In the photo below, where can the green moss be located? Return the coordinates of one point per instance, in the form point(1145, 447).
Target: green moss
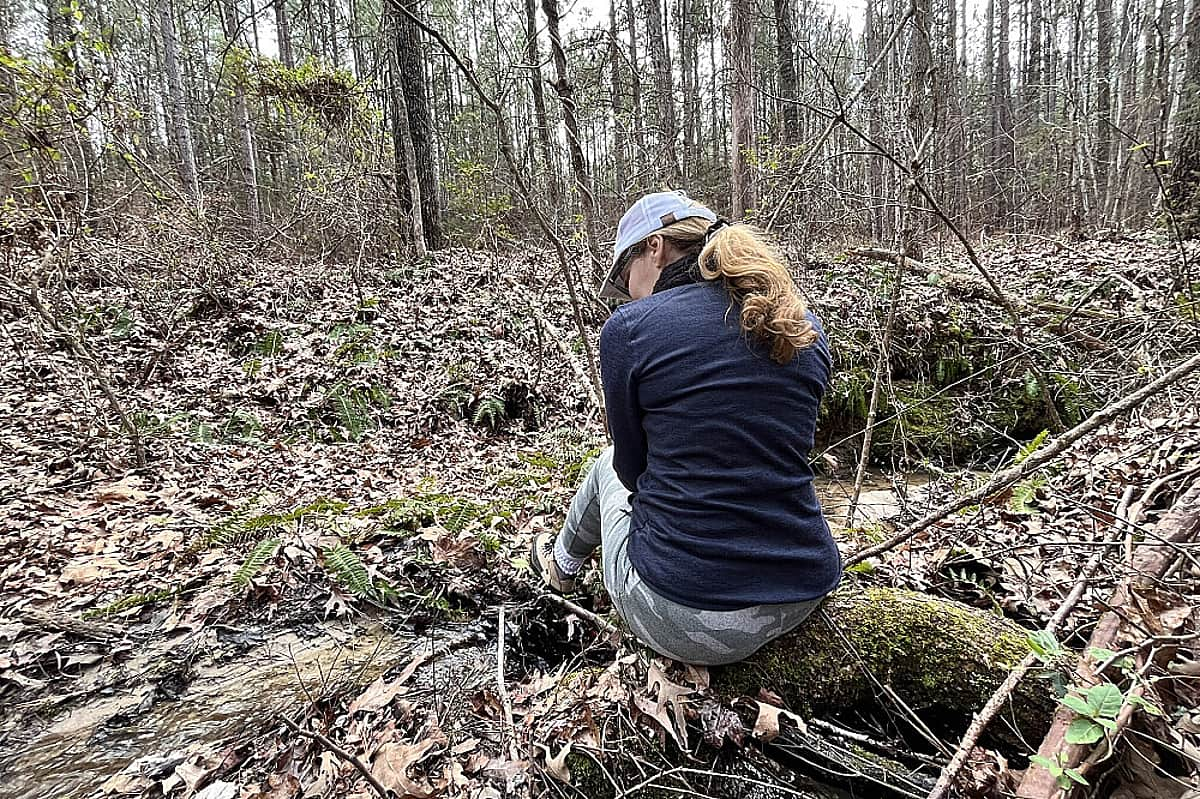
point(936, 654)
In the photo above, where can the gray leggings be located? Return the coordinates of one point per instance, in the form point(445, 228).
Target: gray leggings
point(599, 515)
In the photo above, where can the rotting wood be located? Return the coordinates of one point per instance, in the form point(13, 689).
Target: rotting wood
point(1150, 562)
point(61, 622)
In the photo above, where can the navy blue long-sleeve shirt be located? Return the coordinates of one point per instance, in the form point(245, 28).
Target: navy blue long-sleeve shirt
point(713, 437)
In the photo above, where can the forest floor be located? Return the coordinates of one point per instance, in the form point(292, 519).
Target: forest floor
point(344, 469)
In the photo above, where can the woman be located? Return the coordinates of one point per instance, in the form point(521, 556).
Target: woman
point(713, 539)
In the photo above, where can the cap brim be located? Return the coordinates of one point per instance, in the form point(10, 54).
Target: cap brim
point(611, 289)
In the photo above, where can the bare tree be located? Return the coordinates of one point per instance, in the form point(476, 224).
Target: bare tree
point(664, 91)
point(179, 126)
point(241, 116)
point(741, 53)
point(1185, 159)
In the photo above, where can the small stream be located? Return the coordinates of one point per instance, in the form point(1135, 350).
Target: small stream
point(234, 693)
point(88, 744)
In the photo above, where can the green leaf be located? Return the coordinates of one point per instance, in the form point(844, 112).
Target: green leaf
point(1105, 700)
point(1141, 703)
point(1044, 762)
point(1084, 731)
point(1137, 147)
point(1044, 645)
point(1075, 775)
point(1099, 654)
point(1077, 704)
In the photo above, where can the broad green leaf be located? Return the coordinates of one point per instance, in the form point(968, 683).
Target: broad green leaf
point(1084, 731)
point(1077, 704)
point(1105, 700)
point(1075, 775)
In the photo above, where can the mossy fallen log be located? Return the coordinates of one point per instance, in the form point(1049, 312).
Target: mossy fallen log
point(943, 659)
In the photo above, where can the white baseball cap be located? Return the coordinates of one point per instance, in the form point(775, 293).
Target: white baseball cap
point(646, 216)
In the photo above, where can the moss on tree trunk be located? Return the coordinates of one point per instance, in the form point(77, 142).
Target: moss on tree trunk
point(943, 658)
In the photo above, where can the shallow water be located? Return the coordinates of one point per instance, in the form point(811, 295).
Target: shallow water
point(92, 742)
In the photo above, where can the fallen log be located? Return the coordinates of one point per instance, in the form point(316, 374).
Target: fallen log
point(1150, 562)
point(868, 651)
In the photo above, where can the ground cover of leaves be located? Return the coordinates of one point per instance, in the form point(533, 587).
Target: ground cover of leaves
point(331, 447)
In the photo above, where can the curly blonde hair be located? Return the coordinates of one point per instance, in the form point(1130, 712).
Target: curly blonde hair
point(753, 271)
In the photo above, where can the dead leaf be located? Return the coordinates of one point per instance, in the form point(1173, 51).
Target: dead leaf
point(668, 696)
point(219, 790)
point(766, 726)
point(391, 763)
point(123, 491)
point(377, 696)
point(556, 765)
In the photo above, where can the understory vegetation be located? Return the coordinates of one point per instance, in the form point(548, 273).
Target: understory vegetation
point(306, 491)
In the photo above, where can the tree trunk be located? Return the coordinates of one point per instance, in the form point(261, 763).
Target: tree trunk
point(566, 95)
point(619, 119)
point(403, 150)
point(741, 58)
point(664, 91)
point(1003, 164)
point(534, 59)
point(241, 116)
point(785, 54)
point(178, 124)
point(635, 88)
point(1103, 131)
point(410, 52)
point(1184, 193)
point(1033, 60)
point(283, 34)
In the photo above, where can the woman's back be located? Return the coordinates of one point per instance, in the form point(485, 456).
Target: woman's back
point(713, 436)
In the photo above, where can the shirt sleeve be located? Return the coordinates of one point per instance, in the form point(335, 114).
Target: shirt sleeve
point(618, 372)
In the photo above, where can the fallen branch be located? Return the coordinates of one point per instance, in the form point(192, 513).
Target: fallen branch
point(583, 613)
point(1002, 694)
point(1179, 526)
point(1036, 460)
point(341, 753)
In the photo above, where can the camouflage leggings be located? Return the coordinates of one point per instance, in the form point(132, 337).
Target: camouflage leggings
point(599, 516)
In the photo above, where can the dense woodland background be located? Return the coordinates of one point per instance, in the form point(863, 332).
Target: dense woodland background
point(305, 117)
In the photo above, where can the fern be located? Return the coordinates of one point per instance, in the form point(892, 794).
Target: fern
point(134, 600)
point(489, 411)
point(348, 571)
point(460, 516)
point(258, 557)
point(230, 530)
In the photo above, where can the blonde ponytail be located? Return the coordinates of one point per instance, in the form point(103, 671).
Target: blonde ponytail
point(754, 274)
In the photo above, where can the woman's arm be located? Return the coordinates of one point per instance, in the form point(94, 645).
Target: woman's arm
point(618, 372)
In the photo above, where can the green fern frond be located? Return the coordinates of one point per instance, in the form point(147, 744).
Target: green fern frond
point(230, 530)
point(258, 557)
point(125, 603)
point(489, 411)
point(348, 571)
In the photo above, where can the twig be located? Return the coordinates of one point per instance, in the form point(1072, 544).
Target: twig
point(349, 757)
point(602, 623)
point(1179, 526)
point(1036, 460)
point(997, 700)
point(501, 687)
point(883, 363)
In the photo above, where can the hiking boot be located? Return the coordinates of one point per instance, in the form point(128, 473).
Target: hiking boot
point(545, 567)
